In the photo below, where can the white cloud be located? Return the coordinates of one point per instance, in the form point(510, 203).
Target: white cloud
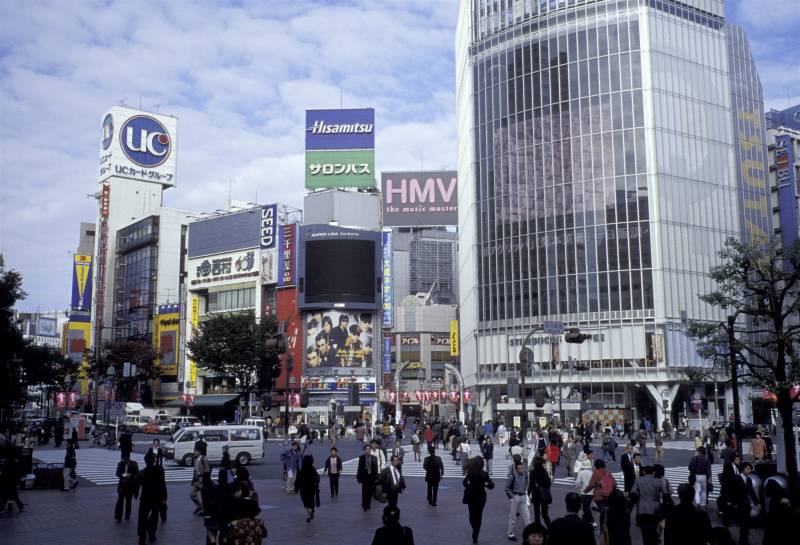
point(238, 77)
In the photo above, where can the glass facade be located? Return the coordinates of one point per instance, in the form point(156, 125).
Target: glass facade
point(135, 279)
point(432, 259)
point(229, 300)
point(561, 167)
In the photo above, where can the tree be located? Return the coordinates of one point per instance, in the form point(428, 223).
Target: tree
point(759, 283)
point(234, 345)
point(11, 343)
point(139, 353)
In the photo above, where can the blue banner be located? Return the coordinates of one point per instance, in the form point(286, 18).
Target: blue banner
point(269, 226)
point(351, 129)
point(287, 270)
point(81, 282)
point(387, 354)
point(784, 173)
point(388, 287)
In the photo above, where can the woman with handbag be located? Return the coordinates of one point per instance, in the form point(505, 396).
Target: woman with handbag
point(475, 484)
point(539, 483)
point(307, 483)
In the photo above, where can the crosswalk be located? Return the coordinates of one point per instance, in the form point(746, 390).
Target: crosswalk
point(502, 465)
point(99, 465)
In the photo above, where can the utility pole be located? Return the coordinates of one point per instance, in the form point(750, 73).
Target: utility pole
point(737, 421)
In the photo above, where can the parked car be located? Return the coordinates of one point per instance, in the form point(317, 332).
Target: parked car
point(135, 423)
point(161, 425)
point(245, 443)
point(185, 421)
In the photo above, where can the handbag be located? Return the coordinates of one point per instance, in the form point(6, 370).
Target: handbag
point(379, 495)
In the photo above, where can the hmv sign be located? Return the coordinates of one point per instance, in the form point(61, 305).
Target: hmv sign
point(425, 198)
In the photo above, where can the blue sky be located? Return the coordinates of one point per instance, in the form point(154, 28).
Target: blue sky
point(239, 76)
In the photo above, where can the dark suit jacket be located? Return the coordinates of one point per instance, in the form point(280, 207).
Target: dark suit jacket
point(128, 483)
point(387, 482)
point(434, 469)
point(393, 535)
point(338, 464)
point(153, 486)
point(475, 484)
point(629, 474)
point(362, 475)
point(572, 530)
point(126, 441)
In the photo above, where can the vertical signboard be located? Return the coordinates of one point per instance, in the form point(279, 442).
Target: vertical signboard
point(195, 311)
point(269, 222)
point(387, 353)
point(454, 337)
point(286, 255)
point(78, 337)
point(168, 322)
point(386, 267)
point(81, 279)
point(784, 174)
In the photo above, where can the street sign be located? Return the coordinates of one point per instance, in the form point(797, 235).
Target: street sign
point(553, 328)
point(126, 369)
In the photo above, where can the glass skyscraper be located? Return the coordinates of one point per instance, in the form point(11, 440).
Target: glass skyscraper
point(602, 161)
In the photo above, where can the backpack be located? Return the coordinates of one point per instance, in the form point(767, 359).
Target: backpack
point(607, 485)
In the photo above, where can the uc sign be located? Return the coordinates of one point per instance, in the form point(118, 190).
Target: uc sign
point(267, 236)
point(145, 141)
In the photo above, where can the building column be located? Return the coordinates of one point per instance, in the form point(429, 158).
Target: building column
point(663, 396)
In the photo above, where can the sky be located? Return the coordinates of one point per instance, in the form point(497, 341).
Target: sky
point(239, 76)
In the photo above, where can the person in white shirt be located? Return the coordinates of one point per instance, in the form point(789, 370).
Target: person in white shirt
point(464, 451)
point(501, 434)
point(583, 474)
point(377, 452)
point(392, 482)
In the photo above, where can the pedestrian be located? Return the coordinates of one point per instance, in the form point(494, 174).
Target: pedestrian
point(291, 464)
point(366, 474)
point(648, 493)
point(553, 455)
point(628, 470)
point(307, 484)
point(487, 451)
point(392, 532)
point(535, 534)
point(686, 524)
point(539, 490)
point(59, 434)
point(749, 505)
point(399, 451)
point(464, 451)
point(415, 446)
point(392, 482)
point(700, 476)
point(201, 477)
point(158, 453)
point(10, 475)
point(434, 471)
point(729, 481)
point(70, 464)
point(429, 436)
point(360, 431)
point(601, 485)
point(152, 497)
point(583, 476)
point(125, 444)
point(333, 467)
point(243, 528)
point(659, 443)
point(570, 455)
point(74, 437)
point(517, 490)
point(378, 453)
point(618, 520)
point(570, 529)
point(758, 447)
point(667, 504)
point(475, 484)
point(127, 487)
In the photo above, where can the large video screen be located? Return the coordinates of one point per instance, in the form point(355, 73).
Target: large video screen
point(340, 271)
point(338, 339)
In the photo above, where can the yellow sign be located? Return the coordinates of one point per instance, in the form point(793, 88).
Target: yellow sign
point(79, 337)
point(454, 337)
point(195, 311)
point(168, 326)
point(192, 372)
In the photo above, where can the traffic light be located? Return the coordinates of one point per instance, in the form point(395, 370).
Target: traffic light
point(303, 399)
point(538, 397)
point(574, 335)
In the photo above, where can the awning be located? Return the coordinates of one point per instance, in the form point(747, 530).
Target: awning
point(210, 400)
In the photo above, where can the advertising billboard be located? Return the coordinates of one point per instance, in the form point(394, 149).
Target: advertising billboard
point(784, 174)
point(269, 267)
point(386, 270)
point(342, 129)
point(269, 223)
point(224, 268)
point(138, 145)
point(454, 337)
point(287, 271)
point(81, 280)
point(319, 385)
point(338, 339)
point(47, 327)
point(168, 325)
point(286, 311)
point(78, 337)
point(349, 168)
point(412, 199)
point(339, 268)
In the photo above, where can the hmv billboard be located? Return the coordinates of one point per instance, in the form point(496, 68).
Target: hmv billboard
point(425, 198)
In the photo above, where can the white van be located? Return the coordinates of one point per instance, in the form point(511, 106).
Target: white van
point(135, 422)
point(245, 443)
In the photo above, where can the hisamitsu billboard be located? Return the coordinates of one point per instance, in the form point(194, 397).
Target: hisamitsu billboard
point(341, 129)
point(420, 198)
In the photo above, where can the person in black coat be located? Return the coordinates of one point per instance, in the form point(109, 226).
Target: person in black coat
point(75, 438)
point(628, 469)
point(307, 483)
point(392, 532)
point(475, 484)
point(539, 491)
point(434, 471)
point(59, 433)
point(333, 467)
point(10, 475)
point(618, 519)
point(125, 444)
point(686, 524)
point(366, 474)
point(392, 482)
point(152, 498)
point(571, 529)
point(127, 488)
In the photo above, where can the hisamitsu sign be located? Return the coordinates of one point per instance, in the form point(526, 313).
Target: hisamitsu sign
point(341, 129)
point(420, 198)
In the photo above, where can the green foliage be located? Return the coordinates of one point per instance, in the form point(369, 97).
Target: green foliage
point(233, 345)
point(139, 353)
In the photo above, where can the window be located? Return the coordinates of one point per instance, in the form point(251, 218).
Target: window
point(212, 436)
point(250, 434)
point(189, 435)
point(221, 301)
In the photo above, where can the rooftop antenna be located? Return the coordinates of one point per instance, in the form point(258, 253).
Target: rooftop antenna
point(122, 102)
point(157, 106)
point(140, 102)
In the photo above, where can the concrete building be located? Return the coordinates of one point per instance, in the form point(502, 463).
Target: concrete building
point(600, 156)
point(42, 328)
point(422, 257)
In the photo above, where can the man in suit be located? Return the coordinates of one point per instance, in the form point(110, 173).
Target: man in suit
point(153, 498)
point(628, 471)
point(392, 481)
point(333, 467)
point(434, 471)
point(127, 488)
point(366, 474)
point(571, 528)
point(392, 532)
point(125, 444)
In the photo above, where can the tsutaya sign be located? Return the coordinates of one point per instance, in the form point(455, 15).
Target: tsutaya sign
point(420, 198)
point(138, 145)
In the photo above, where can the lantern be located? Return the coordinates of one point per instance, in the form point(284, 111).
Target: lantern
point(392, 396)
point(418, 395)
point(454, 396)
point(467, 396)
point(794, 392)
